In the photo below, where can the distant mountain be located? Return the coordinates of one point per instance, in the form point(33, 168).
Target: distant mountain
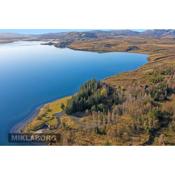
point(66, 38)
point(10, 35)
point(69, 37)
point(159, 33)
point(97, 34)
point(93, 34)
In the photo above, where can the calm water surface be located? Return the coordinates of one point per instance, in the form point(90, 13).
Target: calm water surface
point(32, 74)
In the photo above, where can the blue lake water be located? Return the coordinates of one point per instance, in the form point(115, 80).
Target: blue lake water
point(32, 74)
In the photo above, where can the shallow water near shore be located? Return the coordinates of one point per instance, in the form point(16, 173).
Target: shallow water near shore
point(32, 74)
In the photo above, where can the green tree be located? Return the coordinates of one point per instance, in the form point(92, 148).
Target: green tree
point(62, 106)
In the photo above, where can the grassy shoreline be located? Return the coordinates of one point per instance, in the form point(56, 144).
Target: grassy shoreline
point(49, 108)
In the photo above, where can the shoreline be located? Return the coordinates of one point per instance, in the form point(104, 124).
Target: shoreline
point(20, 125)
point(33, 114)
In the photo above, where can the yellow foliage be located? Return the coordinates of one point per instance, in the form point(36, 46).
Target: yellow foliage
point(103, 92)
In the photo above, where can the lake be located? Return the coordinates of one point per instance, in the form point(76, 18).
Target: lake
point(32, 74)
